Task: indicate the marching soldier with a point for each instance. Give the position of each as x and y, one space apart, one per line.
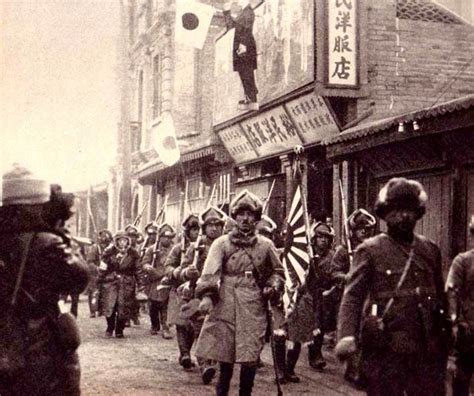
94 255
460 287
184 330
136 239
394 303
212 222
119 271
241 272
306 322
154 266
361 225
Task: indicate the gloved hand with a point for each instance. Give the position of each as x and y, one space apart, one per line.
451 366
227 5
147 267
270 294
241 50
191 273
177 273
141 296
206 305
346 347
103 266
454 333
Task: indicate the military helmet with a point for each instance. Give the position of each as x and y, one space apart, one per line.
212 215
122 235
131 230
246 200
360 218
322 229
166 230
401 193
104 236
151 228
191 221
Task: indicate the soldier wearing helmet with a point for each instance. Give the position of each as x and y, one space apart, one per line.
242 269
153 264
394 302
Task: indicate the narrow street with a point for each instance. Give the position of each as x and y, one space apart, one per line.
141 364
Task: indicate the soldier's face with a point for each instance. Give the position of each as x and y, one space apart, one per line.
401 220
152 237
322 242
193 234
213 230
122 243
245 220
363 233
165 241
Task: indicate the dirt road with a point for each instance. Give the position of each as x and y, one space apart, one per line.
141 364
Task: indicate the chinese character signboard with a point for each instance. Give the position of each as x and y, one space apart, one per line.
312 117
271 132
237 144
284 36
342 43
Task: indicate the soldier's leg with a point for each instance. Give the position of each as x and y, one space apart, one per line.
386 374
279 339
74 304
247 378
163 312
111 321
427 375
315 355
292 356
182 335
154 317
225 375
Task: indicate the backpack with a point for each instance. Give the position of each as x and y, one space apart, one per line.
13 327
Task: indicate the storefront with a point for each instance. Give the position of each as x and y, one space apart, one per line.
434 146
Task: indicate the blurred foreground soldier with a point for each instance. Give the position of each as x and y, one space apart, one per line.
154 267
94 256
241 272
395 301
460 287
184 330
118 273
211 222
37 343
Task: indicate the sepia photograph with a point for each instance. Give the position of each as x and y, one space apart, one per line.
236 197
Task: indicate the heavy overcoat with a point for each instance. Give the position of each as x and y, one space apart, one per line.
234 331
52 268
243 25
119 281
153 277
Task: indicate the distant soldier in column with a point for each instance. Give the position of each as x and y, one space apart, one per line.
119 272
94 256
154 266
184 330
460 287
212 222
394 305
136 238
242 271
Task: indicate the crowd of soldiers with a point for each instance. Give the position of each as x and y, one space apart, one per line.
379 300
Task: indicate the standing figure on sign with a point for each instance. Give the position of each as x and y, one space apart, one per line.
244 49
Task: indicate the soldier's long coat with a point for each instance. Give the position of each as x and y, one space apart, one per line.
234 331
119 281
153 277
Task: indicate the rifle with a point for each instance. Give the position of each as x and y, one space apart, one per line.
138 219
160 216
345 225
89 211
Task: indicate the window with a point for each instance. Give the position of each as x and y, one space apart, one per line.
156 86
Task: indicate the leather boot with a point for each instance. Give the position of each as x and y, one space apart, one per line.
280 357
247 378
225 375
315 356
184 351
291 358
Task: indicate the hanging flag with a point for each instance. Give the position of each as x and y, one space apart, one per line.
192 22
165 143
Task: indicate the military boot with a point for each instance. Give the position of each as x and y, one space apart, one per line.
291 358
184 350
315 356
247 378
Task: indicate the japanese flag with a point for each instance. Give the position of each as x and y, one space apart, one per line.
164 140
192 22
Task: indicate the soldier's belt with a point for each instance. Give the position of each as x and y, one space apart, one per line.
418 291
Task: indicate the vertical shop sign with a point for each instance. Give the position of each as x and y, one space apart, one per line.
342 43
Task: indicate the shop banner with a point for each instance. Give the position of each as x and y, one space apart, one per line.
342 43
237 144
312 117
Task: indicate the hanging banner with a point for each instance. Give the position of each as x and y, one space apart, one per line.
342 47
312 117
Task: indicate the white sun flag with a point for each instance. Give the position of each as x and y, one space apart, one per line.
164 141
192 22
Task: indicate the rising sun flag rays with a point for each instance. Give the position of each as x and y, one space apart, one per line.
295 256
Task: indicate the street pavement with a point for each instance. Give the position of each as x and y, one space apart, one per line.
141 364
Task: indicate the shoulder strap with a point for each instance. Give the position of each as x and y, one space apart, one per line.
24 257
